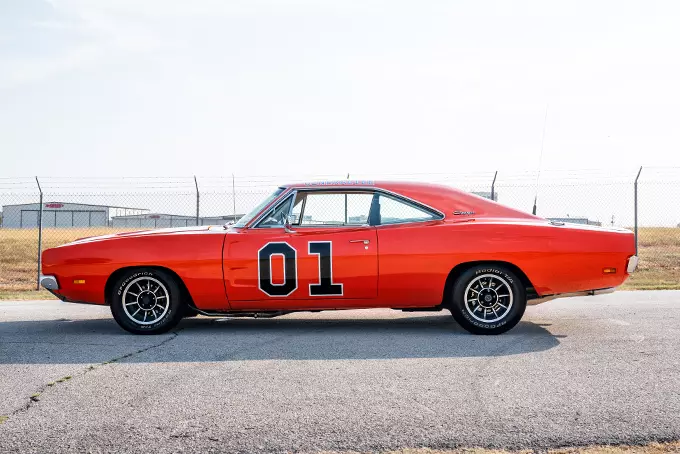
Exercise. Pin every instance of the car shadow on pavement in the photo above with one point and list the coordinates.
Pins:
(285, 338)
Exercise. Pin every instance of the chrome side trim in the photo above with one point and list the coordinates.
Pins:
(49, 282)
(632, 264)
(600, 291)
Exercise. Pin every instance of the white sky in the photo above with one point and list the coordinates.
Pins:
(129, 87)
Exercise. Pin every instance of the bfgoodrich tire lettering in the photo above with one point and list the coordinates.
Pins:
(488, 299)
(147, 301)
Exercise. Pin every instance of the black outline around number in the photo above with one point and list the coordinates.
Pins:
(290, 284)
(287, 262)
(321, 284)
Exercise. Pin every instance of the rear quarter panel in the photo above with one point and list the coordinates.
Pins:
(415, 260)
(576, 256)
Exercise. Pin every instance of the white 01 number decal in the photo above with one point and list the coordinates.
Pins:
(324, 251)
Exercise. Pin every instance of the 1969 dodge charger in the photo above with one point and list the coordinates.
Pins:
(345, 245)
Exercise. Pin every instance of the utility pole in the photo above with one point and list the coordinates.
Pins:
(233, 194)
(198, 201)
(636, 209)
(40, 217)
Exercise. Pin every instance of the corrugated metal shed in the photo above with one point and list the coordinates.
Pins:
(576, 220)
(60, 215)
(161, 220)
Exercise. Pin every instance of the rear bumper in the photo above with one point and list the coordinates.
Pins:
(601, 291)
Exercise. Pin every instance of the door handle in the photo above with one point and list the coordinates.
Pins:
(359, 241)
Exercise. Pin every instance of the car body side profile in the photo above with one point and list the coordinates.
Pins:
(345, 245)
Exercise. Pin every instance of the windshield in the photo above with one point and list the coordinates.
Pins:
(252, 213)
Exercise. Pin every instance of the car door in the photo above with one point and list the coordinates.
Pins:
(327, 257)
(413, 262)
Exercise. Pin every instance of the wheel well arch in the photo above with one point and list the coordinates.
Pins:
(459, 269)
(111, 281)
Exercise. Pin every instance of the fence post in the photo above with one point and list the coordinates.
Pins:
(40, 215)
(233, 195)
(493, 186)
(198, 201)
(636, 210)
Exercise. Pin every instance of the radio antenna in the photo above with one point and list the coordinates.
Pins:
(540, 159)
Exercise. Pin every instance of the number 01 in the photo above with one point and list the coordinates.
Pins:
(325, 285)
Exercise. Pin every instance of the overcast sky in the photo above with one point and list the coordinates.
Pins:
(130, 87)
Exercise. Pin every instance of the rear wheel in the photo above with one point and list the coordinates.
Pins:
(146, 301)
(488, 299)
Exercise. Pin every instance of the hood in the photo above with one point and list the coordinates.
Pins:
(154, 232)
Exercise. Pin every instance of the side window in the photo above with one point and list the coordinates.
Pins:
(358, 208)
(273, 218)
(394, 211)
(296, 213)
(332, 208)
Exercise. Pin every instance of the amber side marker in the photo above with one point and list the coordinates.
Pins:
(79, 281)
(609, 270)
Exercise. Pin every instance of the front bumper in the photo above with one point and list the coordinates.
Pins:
(49, 282)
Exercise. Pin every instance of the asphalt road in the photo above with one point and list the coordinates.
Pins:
(577, 371)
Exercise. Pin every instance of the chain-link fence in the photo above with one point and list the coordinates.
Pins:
(72, 208)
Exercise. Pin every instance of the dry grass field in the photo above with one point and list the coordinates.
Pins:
(659, 268)
(19, 255)
(659, 258)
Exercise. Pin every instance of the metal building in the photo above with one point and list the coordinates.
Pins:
(219, 220)
(160, 220)
(487, 195)
(153, 221)
(576, 221)
(61, 215)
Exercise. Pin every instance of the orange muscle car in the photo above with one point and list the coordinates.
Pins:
(345, 245)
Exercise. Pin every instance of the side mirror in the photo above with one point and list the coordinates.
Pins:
(287, 223)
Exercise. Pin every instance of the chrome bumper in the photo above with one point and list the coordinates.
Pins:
(601, 291)
(49, 282)
(632, 264)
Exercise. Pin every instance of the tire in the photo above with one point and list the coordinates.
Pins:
(137, 301)
(499, 304)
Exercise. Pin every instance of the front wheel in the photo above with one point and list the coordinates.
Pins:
(146, 301)
(488, 299)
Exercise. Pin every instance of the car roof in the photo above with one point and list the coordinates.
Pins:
(443, 198)
(343, 184)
